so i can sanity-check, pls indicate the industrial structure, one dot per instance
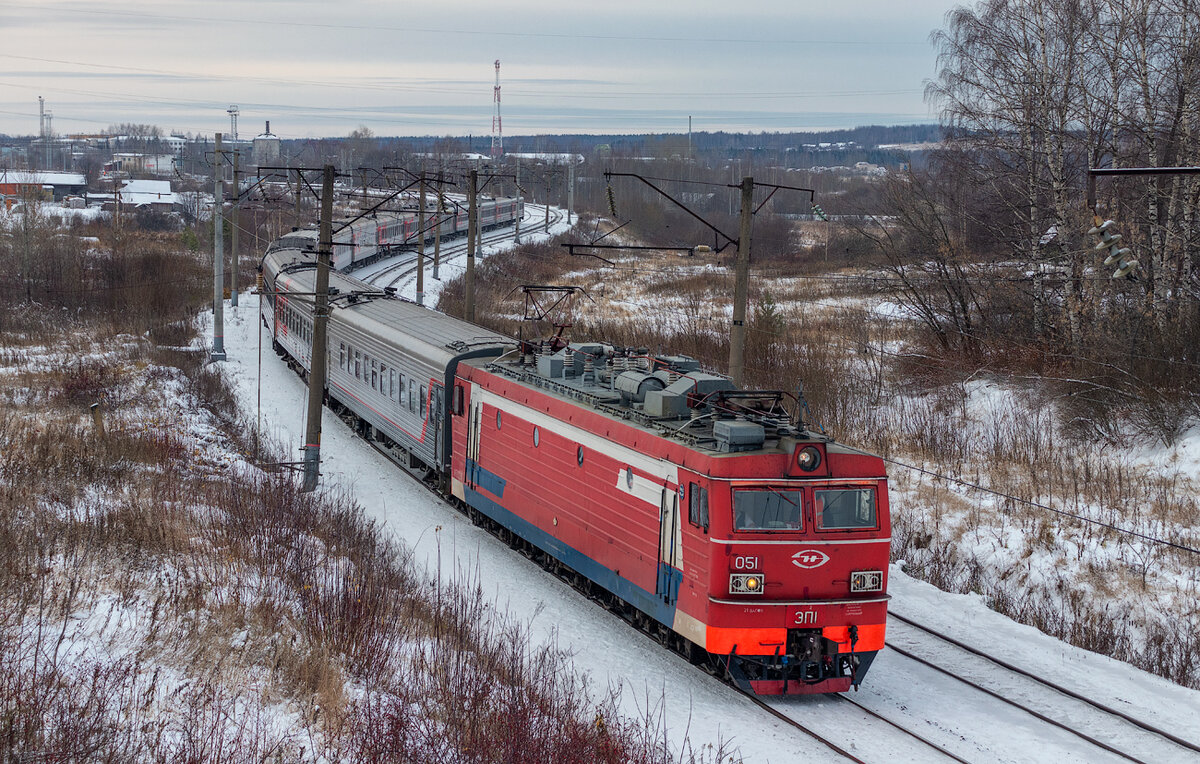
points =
(497, 129)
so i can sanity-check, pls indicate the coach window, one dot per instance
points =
(412, 395)
(845, 509)
(422, 401)
(579, 455)
(392, 384)
(383, 387)
(342, 355)
(357, 365)
(698, 505)
(537, 437)
(401, 398)
(497, 419)
(374, 374)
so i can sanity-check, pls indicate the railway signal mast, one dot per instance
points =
(497, 130)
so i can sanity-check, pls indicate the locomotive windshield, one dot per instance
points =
(845, 508)
(766, 509)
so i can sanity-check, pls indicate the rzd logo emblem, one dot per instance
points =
(809, 558)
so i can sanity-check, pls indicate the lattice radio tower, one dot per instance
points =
(233, 115)
(497, 130)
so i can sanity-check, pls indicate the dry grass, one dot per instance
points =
(160, 598)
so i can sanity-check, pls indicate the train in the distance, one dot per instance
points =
(709, 516)
(364, 240)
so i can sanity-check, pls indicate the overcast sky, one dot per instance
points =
(324, 67)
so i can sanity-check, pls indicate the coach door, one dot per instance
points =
(437, 416)
(670, 539)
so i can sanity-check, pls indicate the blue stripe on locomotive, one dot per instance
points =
(647, 602)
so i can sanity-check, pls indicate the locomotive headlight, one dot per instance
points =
(745, 583)
(866, 581)
(809, 458)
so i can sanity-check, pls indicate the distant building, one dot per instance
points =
(153, 164)
(155, 194)
(266, 148)
(16, 184)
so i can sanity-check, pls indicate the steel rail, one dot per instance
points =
(1036, 714)
(941, 749)
(1047, 683)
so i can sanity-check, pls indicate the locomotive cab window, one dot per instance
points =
(767, 509)
(846, 508)
(698, 505)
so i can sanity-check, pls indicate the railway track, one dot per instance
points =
(1119, 728)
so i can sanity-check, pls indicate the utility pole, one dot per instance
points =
(516, 200)
(296, 200)
(233, 244)
(316, 376)
(741, 283)
(570, 189)
(421, 244)
(478, 225)
(437, 229)
(218, 351)
(472, 222)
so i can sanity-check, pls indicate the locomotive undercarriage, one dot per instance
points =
(810, 664)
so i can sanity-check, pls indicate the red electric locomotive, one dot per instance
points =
(760, 546)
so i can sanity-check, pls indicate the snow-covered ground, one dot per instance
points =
(694, 706)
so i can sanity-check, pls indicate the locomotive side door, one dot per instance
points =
(670, 542)
(474, 417)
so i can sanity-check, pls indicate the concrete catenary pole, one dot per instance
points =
(517, 205)
(472, 224)
(571, 190)
(421, 244)
(478, 225)
(233, 242)
(296, 201)
(741, 284)
(218, 351)
(437, 229)
(316, 376)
